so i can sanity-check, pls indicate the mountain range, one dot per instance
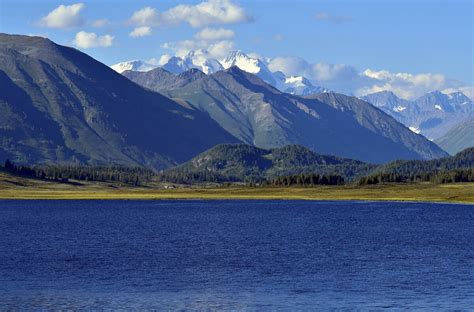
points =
(58, 105)
(198, 59)
(256, 113)
(432, 115)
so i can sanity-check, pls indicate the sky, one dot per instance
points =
(406, 46)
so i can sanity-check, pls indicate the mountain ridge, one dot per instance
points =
(60, 106)
(197, 59)
(431, 115)
(259, 114)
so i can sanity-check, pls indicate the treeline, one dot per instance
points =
(184, 177)
(193, 177)
(127, 175)
(307, 180)
(451, 176)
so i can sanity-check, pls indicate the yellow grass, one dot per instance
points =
(20, 188)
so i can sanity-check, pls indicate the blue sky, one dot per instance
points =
(415, 37)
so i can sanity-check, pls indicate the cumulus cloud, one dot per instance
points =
(348, 79)
(408, 85)
(210, 12)
(145, 16)
(212, 34)
(325, 17)
(64, 16)
(217, 49)
(86, 40)
(213, 43)
(290, 65)
(164, 59)
(140, 32)
(467, 90)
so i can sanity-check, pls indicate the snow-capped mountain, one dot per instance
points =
(135, 65)
(387, 101)
(299, 85)
(431, 115)
(200, 60)
(194, 59)
(250, 65)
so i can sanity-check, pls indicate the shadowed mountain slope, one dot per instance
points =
(258, 114)
(59, 105)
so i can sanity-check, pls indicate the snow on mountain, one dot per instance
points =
(199, 59)
(135, 65)
(194, 59)
(299, 85)
(431, 115)
(203, 63)
(399, 108)
(178, 65)
(459, 98)
(250, 65)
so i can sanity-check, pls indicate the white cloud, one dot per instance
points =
(347, 79)
(212, 34)
(290, 65)
(220, 49)
(327, 72)
(164, 59)
(216, 50)
(210, 12)
(257, 56)
(86, 40)
(325, 17)
(64, 16)
(408, 85)
(467, 90)
(145, 16)
(141, 31)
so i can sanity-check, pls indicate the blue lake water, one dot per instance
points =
(232, 255)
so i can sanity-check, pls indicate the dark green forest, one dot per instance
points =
(128, 175)
(287, 166)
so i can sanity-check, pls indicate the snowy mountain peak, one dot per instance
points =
(459, 98)
(135, 65)
(298, 81)
(243, 61)
(197, 59)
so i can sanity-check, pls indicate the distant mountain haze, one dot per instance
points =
(459, 137)
(432, 115)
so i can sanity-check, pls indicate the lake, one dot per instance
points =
(232, 255)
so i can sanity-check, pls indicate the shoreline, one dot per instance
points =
(446, 193)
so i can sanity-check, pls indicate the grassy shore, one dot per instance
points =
(20, 188)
